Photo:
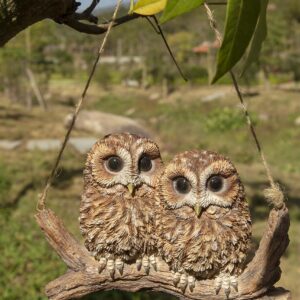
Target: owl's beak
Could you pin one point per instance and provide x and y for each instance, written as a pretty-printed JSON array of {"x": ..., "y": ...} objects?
[
  {"x": 131, "y": 188},
  {"x": 198, "y": 209}
]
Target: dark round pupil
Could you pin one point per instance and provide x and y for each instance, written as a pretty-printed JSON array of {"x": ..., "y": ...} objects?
[
  {"x": 215, "y": 183},
  {"x": 115, "y": 164},
  {"x": 145, "y": 164},
  {"x": 182, "y": 185}
]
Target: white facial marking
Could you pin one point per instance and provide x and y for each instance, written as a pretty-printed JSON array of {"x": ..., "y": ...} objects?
[
  {"x": 190, "y": 198},
  {"x": 124, "y": 176},
  {"x": 143, "y": 177},
  {"x": 147, "y": 177},
  {"x": 208, "y": 197}
]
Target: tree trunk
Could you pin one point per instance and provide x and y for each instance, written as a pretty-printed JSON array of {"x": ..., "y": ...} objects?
[{"x": 16, "y": 15}]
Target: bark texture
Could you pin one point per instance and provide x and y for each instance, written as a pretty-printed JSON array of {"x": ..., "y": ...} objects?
[
  {"x": 82, "y": 278},
  {"x": 16, "y": 15}
]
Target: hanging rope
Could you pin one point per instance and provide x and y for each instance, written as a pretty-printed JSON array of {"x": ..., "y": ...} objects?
[
  {"x": 43, "y": 196},
  {"x": 273, "y": 194}
]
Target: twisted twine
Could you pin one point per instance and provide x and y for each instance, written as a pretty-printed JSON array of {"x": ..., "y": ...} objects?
[
  {"x": 273, "y": 194},
  {"x": 43, "y": 196}
]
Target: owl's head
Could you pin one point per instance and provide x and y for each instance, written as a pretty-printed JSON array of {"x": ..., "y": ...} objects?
[
  {"x": 124, "y": 160},
  {"x": 199, "y": 179}
]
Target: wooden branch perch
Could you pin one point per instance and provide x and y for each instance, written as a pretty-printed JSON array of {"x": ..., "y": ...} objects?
[{"x": 83, "y": 278}]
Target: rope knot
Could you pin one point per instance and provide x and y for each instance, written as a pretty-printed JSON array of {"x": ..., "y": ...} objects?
[{"x": 274, "y": 196}]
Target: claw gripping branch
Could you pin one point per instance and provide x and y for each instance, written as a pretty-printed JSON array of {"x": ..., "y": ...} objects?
[{"x": 83, "y": 276}]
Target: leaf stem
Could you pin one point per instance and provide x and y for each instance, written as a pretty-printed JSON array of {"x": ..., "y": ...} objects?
[{"x": 169, "y": 49}]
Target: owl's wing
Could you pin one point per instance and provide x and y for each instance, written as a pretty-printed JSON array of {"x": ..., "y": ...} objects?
[
  {"x": 108, "y": 224},
  {"x": 99, "y": 218},
  {"x": 170, "y": 232}
]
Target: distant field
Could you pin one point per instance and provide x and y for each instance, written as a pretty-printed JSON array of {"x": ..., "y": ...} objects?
[{"x": 181, "y": 121}]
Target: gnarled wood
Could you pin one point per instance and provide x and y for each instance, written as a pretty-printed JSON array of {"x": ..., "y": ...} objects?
[
  {"x": 83, "y": 277},
  {"x": 16, "y": 15}
]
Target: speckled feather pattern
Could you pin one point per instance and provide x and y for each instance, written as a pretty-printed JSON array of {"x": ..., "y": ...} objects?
[
  {"x": 111, "y": 220},
  {"x": 121, "y": 228},
  {"x": 219, "y": 239}
]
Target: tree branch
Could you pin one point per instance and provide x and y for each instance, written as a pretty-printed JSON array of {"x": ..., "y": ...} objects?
[
  {"x": 73, "y": 20},
  {"x": 97, "y": 29},
  {"x": 83, "y": 278},
  {"x": 16, "y": 15},
  {"x": 87, "y": 13}
]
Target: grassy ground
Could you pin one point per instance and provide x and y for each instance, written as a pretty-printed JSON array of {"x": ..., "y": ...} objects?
[{"x": 180, "y": 122}]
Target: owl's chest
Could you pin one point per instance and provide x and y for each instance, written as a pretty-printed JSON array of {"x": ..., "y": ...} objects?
[
  {"x": 117, "y": 223},
  {"x": 124, "y": 213},
  {"x": 204, "y": 246}
]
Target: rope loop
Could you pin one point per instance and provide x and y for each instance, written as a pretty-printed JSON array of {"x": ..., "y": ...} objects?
[
  {"x": 41, "y": 205},
  {"x": 274, "y": 195}
]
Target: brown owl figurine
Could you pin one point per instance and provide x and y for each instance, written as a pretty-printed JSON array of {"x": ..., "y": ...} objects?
[
  {"x": 118, "y": 203},
  {"x": 204, "y": 228}
]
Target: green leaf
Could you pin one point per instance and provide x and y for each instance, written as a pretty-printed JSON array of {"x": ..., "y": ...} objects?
[
  {"x": 241, "y": 20},
  {"x": 149, "y": 7},
  {"x": 260, "y": 35},
  {"x": 175, "y": 8}
]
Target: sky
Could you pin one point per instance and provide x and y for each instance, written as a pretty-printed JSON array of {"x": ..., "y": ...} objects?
[{"x": 103, "y": 3}]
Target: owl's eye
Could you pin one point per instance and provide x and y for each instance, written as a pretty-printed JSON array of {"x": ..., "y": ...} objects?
[
  {"x": 181, "y": 185},
  {"x": 215, "y": 183},
  {"x": 114, "y": 164},
  {"x": 145, "y": 163}
]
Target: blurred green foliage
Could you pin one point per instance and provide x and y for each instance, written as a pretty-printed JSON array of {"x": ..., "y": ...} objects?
[
  {"x": 5, "y": 181},
  {"x": 27, "y": 263},
  {"x": 224, "y": 119},
  {"x": 24, "y": 251},
  {"x": 51, "y": 50}
]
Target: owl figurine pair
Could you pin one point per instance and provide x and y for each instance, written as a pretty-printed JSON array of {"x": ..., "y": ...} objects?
[{"x": 191, "y": 213}]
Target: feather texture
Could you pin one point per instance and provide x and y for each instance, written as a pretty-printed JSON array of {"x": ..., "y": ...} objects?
[
  {"x": 215, "y": 242},
  {"x": 113, "y": 221}
]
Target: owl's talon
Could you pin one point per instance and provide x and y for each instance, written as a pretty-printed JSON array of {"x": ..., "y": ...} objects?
[
  {"x": 112, "y": 274},
  {"x": 191, "y": 282},
  {"x": 226, "y": 281},
  {"x": 138, "y": 264},
  {"x": 176, "y": 278},
  {"x": 111, "y": 268},
  {"x": 218, "y": 285},
  {"x": 119, "y": 265},
  {"x": 234, "y": 283},
  {"x": 102, "y": 264},
  {"x": 153, "y": 262},
  {"x": 183, "y": 282},
  {"x": 146, "y": 265},
  {"x": 227, "y": 292}
]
